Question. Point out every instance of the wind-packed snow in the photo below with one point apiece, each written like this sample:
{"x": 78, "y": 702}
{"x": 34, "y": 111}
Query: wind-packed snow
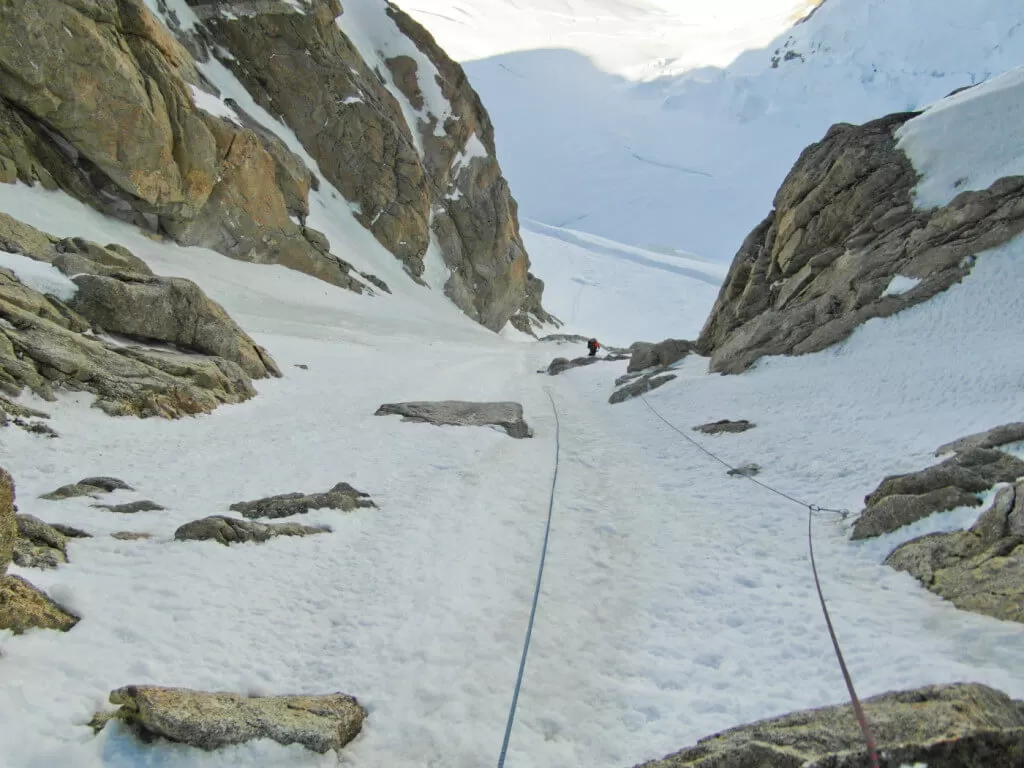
{"x": 687, "y": 152}
{"x": 38, "y": 275}
{"x": 984, "y": 123}
{"x": 900, "y": 284}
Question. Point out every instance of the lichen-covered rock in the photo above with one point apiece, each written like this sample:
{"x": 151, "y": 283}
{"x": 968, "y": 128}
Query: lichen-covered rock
{"x": 724, "y": 426}
{"x": 89, "y": 486}
{"x": 944, "y": 726}
{"x": 980, "y": 569}
{"x": 899, "y": 509}
{"x": 212, "y": 720}
{"x": 8, "y": 524}
{"x": 342, "y": 496}
{"x": 505, "y": 415}
{"x": 39, "y": 545}
{"x": 663, "y": 354}
{"x": 228, "y": 530}
{"x": 843, "y": 226}
{"x": 23, "y": 607}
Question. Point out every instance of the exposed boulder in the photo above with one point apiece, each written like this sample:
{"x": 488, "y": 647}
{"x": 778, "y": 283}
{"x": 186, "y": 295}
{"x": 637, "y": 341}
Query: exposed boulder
{"x": 8, "y": 524}
{"x": 212, "y": 720}
{"x": 131, "y": 536}
{"x": 89, "y": 486}
{"x": 843, "y": 226}
{"x": 943, "y": 726}
{"x": 23, "y": 607}
{"x": 663, "y": 354}
{"x": 45, "y": 344}
{"x": 229, "y": 530}
{"x": 506, "y": 415}
{"x": 980, "y": 569}
{"x": 903, "y": 499}
{"x": 342, "y": 496}
{"x": 131, "y": 507}
{"x": 724, "y": 426}
{"x": 745, "y": 470}
{"x": 640, "y": 386}
{"x": 70, "y": 531}
{"x": 171, "y": 310}
{"x": 39, "y": 545}
{"x": 106, "y": 111}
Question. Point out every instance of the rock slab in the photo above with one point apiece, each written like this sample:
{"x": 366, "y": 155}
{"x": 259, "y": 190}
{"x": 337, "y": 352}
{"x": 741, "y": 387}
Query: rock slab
{"x": 212, "y": 720}
{"x": 506, "y": 415}
{"x": 942, "y": 726}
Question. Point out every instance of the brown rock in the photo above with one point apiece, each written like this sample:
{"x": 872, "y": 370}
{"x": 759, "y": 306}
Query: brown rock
{"x": 8, "y": 525}
{"x": 23, "y": 607}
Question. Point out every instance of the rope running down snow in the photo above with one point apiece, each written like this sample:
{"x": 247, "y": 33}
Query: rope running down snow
{"x": 536, "y": 591}
{"x": 811, "y": 509}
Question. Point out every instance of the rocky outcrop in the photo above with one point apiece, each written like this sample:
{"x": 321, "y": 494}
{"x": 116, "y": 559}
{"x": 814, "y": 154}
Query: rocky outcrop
{"x": 943, "y": 726}
{"x": 406, "y": 141}
{"x": 843, "y": 227}
{"x": 39, "y": 545}
{"x": 663, "y": 354}
{"x": 89, "y": 486}
{"x": 507, "y": 416}
{"x": 228, "y": 530}
{"x": 990, "y": 438}
{"x": 342, "y": 496}
{"x": 980, "y": 569}
{"x": 28, "y": 419}
{"x": 903, "y": 499}
{"x": 724, "y": 426}
{"x": 22, "y": 606}
{"x": 563, "y": 364}
{"x": 640, "y": 386}
{"x": 105, "y": 111}
{"x": 131, "y": 507}
{"x": 47, "y": 344}
{"x": 212, "y": 720}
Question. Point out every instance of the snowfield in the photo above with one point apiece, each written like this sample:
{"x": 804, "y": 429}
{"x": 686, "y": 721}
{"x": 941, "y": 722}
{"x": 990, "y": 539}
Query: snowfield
{"x": 677, "y": 601}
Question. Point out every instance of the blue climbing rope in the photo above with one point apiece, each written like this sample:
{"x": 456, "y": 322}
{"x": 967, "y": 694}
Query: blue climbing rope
{"x": 536, "y": 592}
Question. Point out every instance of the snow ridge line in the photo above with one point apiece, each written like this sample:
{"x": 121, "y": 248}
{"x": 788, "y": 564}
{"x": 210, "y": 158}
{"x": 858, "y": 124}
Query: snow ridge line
{"x": 536, "y": 591}
{"x": 811, "y": 509}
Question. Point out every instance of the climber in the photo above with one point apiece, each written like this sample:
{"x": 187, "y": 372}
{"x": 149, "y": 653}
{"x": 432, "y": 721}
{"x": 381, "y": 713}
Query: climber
{"x": 593, "y": 345}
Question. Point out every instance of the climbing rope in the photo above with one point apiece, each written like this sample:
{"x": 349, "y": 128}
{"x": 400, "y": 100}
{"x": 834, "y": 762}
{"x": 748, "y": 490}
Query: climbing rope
{"x": 536, "y": 591}
{"x": 811, "y": 509}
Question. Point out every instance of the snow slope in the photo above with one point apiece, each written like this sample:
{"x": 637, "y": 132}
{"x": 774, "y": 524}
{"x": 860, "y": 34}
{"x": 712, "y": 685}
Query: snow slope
{"x": 687, "y": 152}
{"x": 677, "y": 601}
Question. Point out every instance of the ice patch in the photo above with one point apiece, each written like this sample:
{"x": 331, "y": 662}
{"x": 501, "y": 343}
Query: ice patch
{"x": 39, "y": 275}
{"x": 900, "y": 285}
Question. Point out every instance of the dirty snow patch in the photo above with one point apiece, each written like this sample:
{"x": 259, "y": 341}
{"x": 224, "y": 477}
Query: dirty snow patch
{"x": 39, "y": 275}
{"x": 968, "y": 140}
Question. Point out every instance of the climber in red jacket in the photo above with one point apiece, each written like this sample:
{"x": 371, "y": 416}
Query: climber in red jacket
{"x": 593, "y": 345}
